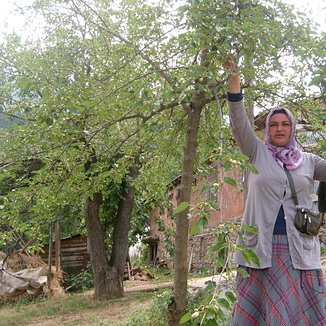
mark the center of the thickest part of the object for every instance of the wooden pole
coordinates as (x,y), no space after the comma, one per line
(50,260)
(57,247)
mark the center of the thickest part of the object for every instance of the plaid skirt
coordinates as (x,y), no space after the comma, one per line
(280,295)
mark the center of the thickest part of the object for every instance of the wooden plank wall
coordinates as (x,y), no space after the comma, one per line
(75,253)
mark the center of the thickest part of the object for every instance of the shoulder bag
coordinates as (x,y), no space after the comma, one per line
(305,220)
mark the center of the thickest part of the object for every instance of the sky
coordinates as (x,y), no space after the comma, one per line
(9,19)
(318,8)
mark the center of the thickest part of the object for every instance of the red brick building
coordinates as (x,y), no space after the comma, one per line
(229,199)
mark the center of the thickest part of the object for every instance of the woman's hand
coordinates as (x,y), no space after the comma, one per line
(234,79)
(229,64)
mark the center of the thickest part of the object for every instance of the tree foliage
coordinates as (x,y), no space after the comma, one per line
(105,82)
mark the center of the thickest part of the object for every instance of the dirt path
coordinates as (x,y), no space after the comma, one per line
(137,286)
(113,314)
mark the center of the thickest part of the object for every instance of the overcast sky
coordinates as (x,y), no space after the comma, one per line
(318,8)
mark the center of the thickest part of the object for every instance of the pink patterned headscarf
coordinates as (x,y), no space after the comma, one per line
(288,154)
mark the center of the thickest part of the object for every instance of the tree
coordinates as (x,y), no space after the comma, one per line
(75,170)
(252,23)
(140,79)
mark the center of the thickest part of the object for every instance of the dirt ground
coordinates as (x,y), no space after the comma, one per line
(104,316)
(113,314)
(116,312)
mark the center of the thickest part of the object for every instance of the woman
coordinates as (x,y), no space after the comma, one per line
(288,287)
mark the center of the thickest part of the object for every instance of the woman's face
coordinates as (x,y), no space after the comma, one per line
(279,129)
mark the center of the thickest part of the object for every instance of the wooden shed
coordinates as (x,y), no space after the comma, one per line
(74,254)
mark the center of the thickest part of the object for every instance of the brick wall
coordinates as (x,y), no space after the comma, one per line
(230,201)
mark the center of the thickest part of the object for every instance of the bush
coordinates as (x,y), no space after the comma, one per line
(83,281)
(206,308)
(155,315)
(138,256)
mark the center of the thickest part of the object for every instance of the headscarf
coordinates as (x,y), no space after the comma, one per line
(288,155)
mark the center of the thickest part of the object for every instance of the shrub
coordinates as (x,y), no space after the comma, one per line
(154,315)
(82,281)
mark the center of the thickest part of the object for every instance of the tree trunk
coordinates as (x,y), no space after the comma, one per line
(178,306)
(120,246)
(106,283)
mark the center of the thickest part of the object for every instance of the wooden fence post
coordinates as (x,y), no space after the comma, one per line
(57,247)
(50,260)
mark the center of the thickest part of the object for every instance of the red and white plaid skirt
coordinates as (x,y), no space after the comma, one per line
(280,295)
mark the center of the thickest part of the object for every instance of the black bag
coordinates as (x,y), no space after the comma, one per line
(305,220)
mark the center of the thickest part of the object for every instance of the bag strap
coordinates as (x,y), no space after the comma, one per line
(293,192)
(321,193)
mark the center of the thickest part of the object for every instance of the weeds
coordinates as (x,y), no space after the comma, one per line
(154,315)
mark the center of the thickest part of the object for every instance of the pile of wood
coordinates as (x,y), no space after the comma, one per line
(136,274)
(161,264)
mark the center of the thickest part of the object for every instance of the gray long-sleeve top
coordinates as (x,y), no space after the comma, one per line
(268,190)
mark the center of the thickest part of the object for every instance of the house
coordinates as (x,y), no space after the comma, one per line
(160,242)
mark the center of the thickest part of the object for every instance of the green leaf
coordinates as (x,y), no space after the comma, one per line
(250,228)
(137,105)
(251,168)
(154,128)
(211,322)
(213,205)
(210,314)
(242,157)
(230,295)
(220,261)
(199,225)
(194,229)
(243,272)
(181,207)
(240,235)
(250,257)
(221,315)
(205,186)
(227,165)
(185,318)
(105,174)
(230,181)
(224,303)
(49,121)
(203,223)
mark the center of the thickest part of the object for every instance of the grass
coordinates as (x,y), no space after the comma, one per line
(64,306)
(82,309)
(134,309)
